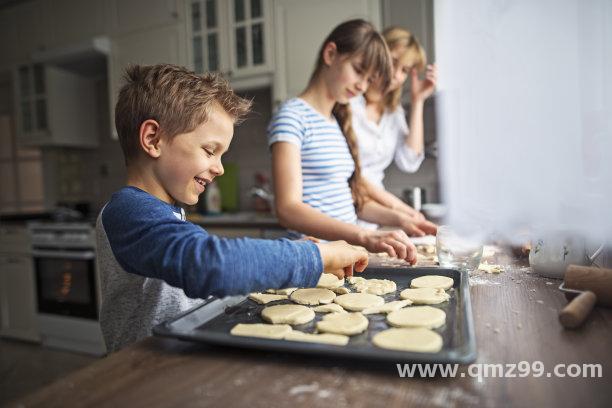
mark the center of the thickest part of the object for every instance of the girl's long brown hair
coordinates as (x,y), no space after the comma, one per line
(353,38)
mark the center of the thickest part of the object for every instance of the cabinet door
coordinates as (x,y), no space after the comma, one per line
(17,298)
(160,45)
(69,22)
(300,29)
(129,16)
(250,26)
(207,35)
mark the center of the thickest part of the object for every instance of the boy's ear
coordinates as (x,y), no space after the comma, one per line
(150,138)
(330,51)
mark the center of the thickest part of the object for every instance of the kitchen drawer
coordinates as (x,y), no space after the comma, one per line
(14,239)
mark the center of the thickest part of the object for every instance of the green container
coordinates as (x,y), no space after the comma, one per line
(228,185)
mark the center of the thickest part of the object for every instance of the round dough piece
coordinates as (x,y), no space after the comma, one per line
(329,281)
(417,316)
(375,286)
(312,296)
(425,296)
(331,308)
(432,281)
(287,314)
(284,291)
(343,323)
(416,339)
(326,338)
(356,302)
(267,331)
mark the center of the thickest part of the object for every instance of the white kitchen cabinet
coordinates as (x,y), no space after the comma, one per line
(129,16)
(69,22)
(233,37)
(300,28)
(165,44)
(17,286)
(54,107)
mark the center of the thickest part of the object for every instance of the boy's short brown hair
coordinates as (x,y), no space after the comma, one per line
(178,99)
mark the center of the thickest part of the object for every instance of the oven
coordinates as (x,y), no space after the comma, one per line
(67,285)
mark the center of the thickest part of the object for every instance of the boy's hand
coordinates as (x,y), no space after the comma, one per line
(395,243)
(340,258)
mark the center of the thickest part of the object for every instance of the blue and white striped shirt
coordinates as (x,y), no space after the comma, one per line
(327,163)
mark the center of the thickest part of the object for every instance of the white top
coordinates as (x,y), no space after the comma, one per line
(326,161)
(382,142)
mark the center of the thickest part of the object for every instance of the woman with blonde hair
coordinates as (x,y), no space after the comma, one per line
(319,190)
(380,121)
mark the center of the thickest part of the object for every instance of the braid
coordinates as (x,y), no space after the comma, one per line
(342,113)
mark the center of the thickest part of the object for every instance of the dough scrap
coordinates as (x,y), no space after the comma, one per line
(287,314)
(326,338)
(263,298)
(416,339)
(268,331)
(343,323)
(417,316)
(425,296)
(375,286)
(312,296)
(284,291)
(356,302)
(329,281)
(353,280)
(490,268)
(432,281)
(387,307)
(341,290)
(330,308)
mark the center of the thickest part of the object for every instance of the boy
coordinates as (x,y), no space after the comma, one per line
(173,128)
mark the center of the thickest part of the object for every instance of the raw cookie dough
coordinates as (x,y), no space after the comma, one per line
(288,314)
(268,331)
(343,323)
(375,286)
(356,302)
(490,268)
(417,316)
(341,290)
(327,338)
(284,291)
(432,281)
(425,296)
(329,281)
(387,307)
(331,308)
(263,298)
(417,339)
(312,296)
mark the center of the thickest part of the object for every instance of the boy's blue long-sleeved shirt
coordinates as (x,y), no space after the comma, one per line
(153,265)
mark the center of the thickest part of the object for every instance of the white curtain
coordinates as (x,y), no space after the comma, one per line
(525,114)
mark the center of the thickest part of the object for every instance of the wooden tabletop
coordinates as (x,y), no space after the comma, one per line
(516,320)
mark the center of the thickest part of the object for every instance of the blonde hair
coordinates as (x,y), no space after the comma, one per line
(178,99)
(413,55)
(353,38)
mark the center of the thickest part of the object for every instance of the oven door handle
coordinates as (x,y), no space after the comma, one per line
(82,255)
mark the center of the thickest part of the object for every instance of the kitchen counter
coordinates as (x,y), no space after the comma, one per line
(236,220)
(515,315)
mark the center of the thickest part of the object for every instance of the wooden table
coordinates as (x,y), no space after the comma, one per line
(515,316)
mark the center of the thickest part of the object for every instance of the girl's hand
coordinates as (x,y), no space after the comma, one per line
(395,243)
(422,89)
(417,226)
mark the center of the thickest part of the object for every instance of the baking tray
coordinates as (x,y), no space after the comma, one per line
(212,321)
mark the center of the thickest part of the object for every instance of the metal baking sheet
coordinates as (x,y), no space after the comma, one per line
(212,321)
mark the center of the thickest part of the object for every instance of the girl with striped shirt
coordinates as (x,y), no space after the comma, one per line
(319,190)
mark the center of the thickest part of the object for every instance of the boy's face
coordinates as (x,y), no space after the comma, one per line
(190,161)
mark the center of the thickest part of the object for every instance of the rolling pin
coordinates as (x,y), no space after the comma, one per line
(593,286)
